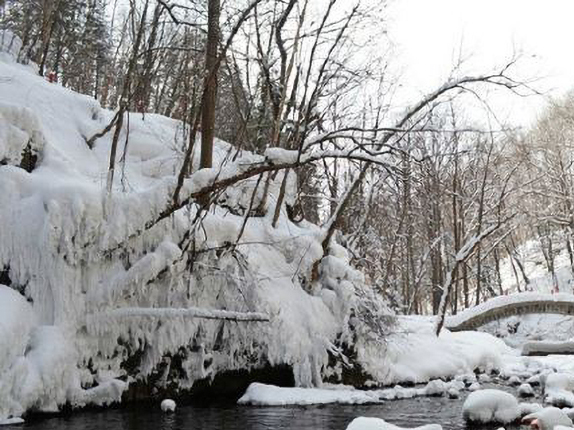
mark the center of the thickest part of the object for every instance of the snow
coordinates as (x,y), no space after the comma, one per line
(514,380)
(100,280)
(269,395)
(453,394)
(558,389)
(525,390)
(548,347)
(436,387)
(446,356)
(96,279)
(491,406)
(548,419)
(529,408)
(11,421)
(10,45)
(367,423)
(503,301)
(535,268)
(167,405)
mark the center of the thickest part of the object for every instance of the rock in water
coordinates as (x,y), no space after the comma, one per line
(548,419)
(168,405)
(453,393)
(514,380)
(525,390)
(368,423)
(491,406)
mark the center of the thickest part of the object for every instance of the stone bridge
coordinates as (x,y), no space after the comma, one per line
(506,306)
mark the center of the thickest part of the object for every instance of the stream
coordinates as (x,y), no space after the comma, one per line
(404,413)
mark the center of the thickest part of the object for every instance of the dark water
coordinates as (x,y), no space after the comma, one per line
(406,413)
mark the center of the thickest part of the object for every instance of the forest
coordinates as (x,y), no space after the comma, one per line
(196,193)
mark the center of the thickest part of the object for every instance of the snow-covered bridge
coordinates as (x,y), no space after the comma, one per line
(511,305)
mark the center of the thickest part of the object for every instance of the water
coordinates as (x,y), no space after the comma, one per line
(406,413)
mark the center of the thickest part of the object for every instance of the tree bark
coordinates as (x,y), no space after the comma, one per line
(210,94)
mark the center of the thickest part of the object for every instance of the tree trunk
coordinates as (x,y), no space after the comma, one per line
(210,94)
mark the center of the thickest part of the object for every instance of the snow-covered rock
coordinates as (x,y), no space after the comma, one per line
(547,419)
(491,406)
(270,395)
(474,387)
(368,423)
(457,385)
(453,393)
(525,390)
(514,380)
(467,378)
(529,408)
(483,378)
(168,405)
(558,389)
(436,387)
(11,421)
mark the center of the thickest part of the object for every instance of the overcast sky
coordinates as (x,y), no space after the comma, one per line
(429,36)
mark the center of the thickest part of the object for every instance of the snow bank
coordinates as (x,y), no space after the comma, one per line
(491,406)
(269,395)
(448,355)
(367,423)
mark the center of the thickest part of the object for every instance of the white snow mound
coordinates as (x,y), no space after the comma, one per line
(548,419)
(368,423)
(270,395)
(558,389)
(491,406)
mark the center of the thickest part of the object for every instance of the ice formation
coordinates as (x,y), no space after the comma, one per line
(97,280)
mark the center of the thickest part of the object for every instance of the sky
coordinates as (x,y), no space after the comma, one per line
(429,36)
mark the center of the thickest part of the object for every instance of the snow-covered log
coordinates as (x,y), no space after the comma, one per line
(115,316)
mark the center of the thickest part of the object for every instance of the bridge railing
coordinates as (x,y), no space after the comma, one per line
(506,306)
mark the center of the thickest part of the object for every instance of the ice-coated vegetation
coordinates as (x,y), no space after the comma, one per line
(95,281)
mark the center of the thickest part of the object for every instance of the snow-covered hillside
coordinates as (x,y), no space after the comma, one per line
(98,295)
